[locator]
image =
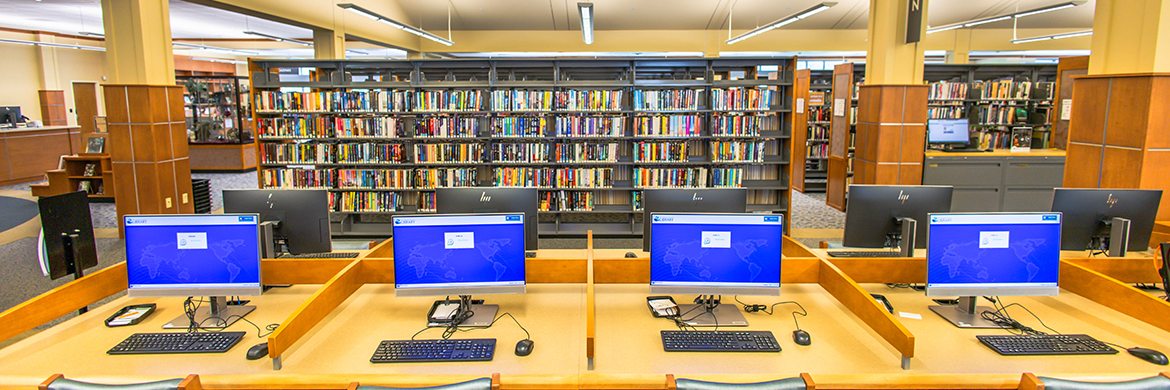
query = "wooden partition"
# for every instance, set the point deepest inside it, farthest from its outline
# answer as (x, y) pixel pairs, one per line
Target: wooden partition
(800, 87)
(840, 133)
(62, 300)
(590, 302)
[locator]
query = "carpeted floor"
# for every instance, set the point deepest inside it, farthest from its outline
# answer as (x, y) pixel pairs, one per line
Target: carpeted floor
(16, 212)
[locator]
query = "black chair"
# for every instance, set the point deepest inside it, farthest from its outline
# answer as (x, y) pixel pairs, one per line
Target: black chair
(797, 383)
(58, 382)
(474, 384)
(1158, 382)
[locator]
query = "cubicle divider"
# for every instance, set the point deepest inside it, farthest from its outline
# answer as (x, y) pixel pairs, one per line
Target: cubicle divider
(1115, 294)
(62, 300)
(590, 303)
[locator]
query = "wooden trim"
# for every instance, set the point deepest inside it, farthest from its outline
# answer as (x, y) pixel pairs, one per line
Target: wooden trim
(1029, 381)
(62, 300)
(590, 300)
(858, 301)
(316, 308)
(793, 248)
(882, 269)
(670, 382)
(495, 381)
(1125, 269)
(45, 385)
(352, 386)
(1114, 294)
(809, 384)
(301, 271)
(1120, 75)
(384, 249)
(191, 382)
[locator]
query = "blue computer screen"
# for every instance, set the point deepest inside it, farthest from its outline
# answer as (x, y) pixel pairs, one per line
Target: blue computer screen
(718, 250)
(192, 251)
(947, 130)
(993, 250)
(445, 251)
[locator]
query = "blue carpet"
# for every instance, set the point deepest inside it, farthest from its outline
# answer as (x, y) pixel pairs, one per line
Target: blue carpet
(16, 211)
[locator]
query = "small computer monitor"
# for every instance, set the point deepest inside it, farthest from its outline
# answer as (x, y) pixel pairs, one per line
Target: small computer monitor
(10, 116)
(876, 212)
(1090, 215)
(990, 254)
(479, 200)
(199, 255)
(706, 200)
(66, 234)
(300, 217)
(947, 131)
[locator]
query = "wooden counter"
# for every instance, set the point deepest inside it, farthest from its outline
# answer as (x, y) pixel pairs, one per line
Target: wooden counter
(1000, 153)
(27, 153)
(222, 157)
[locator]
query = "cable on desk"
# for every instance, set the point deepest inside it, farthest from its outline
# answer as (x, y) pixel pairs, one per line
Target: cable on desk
(527, 336)
(190, 305)
(1001, 317)
(771, 309)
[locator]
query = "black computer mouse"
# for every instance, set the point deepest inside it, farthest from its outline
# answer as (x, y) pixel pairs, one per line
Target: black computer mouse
(1149, 355)
(524, 347)
(631, 255)
(801, 337)
(258, 351)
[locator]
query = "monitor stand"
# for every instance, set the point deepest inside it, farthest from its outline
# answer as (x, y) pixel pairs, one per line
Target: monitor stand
(1118, 239)
(710, 313)
(215, 315)
(966, 314)
(482, 315)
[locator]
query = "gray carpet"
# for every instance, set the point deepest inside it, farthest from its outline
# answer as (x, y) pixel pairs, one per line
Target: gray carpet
(16, 211)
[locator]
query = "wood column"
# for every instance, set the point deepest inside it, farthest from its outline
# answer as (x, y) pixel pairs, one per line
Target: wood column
(800, 86)
(839, 134)
(328, 44)
(891, 134)
(53, 108)
(85, 104)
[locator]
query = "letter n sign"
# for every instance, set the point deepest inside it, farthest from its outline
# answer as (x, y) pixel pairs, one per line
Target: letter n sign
(914, 21)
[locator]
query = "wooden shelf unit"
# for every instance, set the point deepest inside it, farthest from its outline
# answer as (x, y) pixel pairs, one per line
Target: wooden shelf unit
(69, 178)
(614, 212)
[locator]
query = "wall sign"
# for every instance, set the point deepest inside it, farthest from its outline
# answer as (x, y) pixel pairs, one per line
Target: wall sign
(914, 21)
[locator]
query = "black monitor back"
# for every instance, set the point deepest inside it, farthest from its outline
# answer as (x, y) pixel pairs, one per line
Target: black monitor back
(10, 115)
(479, 200)
(874, 211)
(706, 200)
(1085, 209)
(68, 214)
(303, 215)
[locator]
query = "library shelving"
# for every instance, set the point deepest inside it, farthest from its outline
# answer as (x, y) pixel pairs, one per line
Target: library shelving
(846, 82)
(591, 135)
(990, 96)
(811, 143)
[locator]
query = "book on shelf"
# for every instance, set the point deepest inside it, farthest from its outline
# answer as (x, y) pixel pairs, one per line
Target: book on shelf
(1005, 88)
(297, 154)
(724, 124)
(329, 127)
(427, 203)
(518, 126)
(335, 101)
(589, 100)
(460, 153)
(431, 178)
(667, 99)
(818, 132)
(511, 152)
(586, 152)
(757, 98)
(818, 150)
(670, 177)
(521, 100)
(658, 151)
(737, 151)
(365, 201)
(375, 179)
(590, 126)
(667, 126)
(531, 177)
(636, 200)
(370, 153)
(955, 112)
(566, 201)
(297, 178)
(947, 91)
(446, 127)
(584, 177)
(823, 113)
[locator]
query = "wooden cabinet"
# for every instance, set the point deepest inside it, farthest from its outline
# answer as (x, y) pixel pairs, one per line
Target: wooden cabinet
(93, 174)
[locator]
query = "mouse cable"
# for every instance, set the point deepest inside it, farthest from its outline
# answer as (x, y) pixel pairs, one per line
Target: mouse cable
(1000, 316)
(682, 323)
(771, 309)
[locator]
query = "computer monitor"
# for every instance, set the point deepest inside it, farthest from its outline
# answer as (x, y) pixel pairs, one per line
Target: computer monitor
(198, 255)
(990, 254)
(67, 243)
(459, 254)
(479, 200)
(1100, 218)
(877, 214)
(10, 116)
(715, 254)
(705, 200)
(947, 131)
(296, 220)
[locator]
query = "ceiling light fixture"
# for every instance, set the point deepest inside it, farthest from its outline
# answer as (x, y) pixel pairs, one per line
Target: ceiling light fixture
(585, 10)
(219, 60)
(1016, 15)
(92, 34)
(379, 18)
(358, 52)
(279, 39)
(1054, 36)
(50, 44)
(783, 21)
(212, 48)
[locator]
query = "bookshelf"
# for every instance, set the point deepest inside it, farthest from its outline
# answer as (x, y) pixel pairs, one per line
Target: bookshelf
(988, 96)
(846, 80)
(590, 134)
(811, 146)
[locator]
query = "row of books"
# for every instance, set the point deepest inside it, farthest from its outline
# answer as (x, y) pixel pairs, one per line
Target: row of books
(366, 152)
(727, 177)
(561, 152)
(449, 177)
(994, 139)
(334, 101)
(820, 113)
(670, 177)
(583, 152)
(364, 201)
(298, 178)
(667, 126)
(759, 98)
(522, 100)
(322, 127)
(446, 127)
(740, 125)
(447, 101)
(448, 153)
(368, 179)
(566, 201)
(660, 151)
(818, 132)
(1004, 89)
(667, 99)
(520, 152)
(998, 115)
(820, 150)
(737, 151)
(589, 100)
(957, 112)
(372, 179)
(554, 177)
(520, 126)
(591, 126)
(948, 91)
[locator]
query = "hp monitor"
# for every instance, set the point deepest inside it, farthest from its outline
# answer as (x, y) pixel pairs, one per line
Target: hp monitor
(452, 254)
(67, 243)
(10, 116)
(213, 255)
(294, 221)
(972, 255)
(882, 216)
(1101, 218)
(478, 200)
(947, 131)
(708, 200)
(715, 254)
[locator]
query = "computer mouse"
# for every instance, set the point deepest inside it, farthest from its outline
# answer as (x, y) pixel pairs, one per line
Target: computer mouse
(801, 337)
(524, 347)
(631, 255)
(1149, 355)
(258, 351)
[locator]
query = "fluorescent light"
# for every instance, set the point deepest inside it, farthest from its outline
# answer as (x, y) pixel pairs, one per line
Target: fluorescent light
(50, 44)
(379, 18)
(1017, 15)
(359, 52)
(783, 21)
(218, 60)
(586, 12)
(279, 39)
(92, 34)
(1054, 36)
(212, 48)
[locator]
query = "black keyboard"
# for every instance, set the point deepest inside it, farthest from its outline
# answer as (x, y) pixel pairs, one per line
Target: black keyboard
(965, 150)
(467, 350)
(711, 341)
(200, 342)
(864, 253)
(1052, 344)
(322, 255)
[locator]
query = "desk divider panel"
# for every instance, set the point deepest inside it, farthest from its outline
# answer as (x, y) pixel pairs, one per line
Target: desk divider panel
(315, 309)
(1124, 269)
(882, 269)
(590, 302)
(858, 301)
(62, 300)
(1114, 294)
(793, 248)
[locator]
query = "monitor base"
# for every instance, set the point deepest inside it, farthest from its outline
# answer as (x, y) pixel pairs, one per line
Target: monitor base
(483, 317)
(963, 319)
(724, 315)
(227, 316)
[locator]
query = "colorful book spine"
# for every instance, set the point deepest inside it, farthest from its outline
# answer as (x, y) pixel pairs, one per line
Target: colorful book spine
(446, 127)
(586, 152)
(739, 125)
(364, 201)
(742, 99)
(738, 151)
(670, 177)
(522, 100)
(427, 203)
(447, 101)
(584, 177)
(667, 126)
(509, 152)
(297, 178)
(660, 151)
(727, 177)
(371, 153)
(589, 100)
(667, 100)
(297, 154)
(375, 179)
(524, 177)
(518, 126)
(460, 153)
(566, 201)
(446, 177)
(590, 126)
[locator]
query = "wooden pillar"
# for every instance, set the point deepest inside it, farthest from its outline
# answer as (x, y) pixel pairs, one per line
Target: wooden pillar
(328, 44)
(1119, 133)
(840, 134)
(800, 87)
(53, 108)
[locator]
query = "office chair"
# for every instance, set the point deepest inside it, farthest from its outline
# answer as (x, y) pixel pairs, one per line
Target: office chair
(1032, 382)
(58, 382)
(492, 383)
(802, 382)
